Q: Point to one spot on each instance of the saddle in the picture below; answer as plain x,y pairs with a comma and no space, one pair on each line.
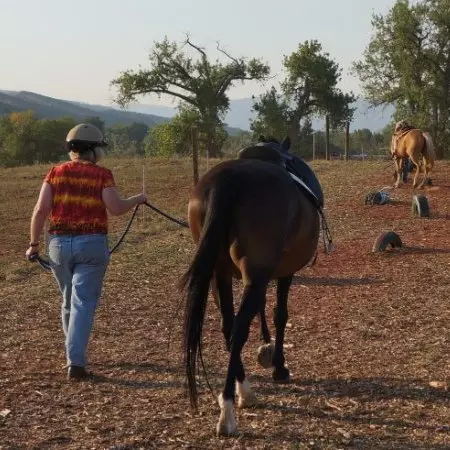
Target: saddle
299,170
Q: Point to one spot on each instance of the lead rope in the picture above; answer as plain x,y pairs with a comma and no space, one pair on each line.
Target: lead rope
326,234
46,265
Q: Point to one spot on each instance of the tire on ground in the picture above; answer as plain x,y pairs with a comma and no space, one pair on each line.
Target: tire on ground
385,240
420,206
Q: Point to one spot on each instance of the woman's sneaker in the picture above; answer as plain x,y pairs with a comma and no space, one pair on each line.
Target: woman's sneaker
78,373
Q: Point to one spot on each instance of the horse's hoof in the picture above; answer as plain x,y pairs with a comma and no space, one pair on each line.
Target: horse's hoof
281,376
265,355
225,430
248,401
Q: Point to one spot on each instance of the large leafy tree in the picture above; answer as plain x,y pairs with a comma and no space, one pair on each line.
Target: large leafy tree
175,137
271,115
309,88
194,80
407,63
18,140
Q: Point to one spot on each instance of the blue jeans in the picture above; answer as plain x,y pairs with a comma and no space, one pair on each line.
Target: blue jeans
79,264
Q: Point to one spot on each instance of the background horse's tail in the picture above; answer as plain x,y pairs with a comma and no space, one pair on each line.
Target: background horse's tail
429,155
197,279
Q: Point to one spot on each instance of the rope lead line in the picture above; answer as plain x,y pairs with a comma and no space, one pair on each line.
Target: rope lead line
46,264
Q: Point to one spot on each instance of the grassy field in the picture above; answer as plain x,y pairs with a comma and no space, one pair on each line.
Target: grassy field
367,341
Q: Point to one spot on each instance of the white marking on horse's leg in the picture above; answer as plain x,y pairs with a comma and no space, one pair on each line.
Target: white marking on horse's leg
246,397
227,422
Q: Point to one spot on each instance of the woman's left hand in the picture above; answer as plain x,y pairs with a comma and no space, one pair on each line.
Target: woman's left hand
31,251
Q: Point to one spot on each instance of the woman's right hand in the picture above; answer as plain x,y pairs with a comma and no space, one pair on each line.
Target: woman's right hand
141,199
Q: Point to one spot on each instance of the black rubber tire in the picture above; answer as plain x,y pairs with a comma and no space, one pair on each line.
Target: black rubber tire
420,206
385,240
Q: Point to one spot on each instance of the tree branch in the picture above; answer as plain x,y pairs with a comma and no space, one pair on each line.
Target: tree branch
132,94
227,54
196,47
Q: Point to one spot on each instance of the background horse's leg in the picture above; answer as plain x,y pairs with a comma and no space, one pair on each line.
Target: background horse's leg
252,299
264,333
224,293
280,372
265,351
406,169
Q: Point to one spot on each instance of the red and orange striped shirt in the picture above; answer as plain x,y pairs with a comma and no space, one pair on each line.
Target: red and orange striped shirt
78,207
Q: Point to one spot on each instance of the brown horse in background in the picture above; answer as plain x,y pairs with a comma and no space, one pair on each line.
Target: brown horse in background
419,148
251,221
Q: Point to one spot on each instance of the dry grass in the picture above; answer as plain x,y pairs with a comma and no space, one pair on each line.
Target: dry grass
367,343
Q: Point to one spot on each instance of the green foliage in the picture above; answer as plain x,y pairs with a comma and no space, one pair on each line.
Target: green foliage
272,115
233,144
126,139
310,88
198,83
24,139
51,138
175,137
18,138
407,64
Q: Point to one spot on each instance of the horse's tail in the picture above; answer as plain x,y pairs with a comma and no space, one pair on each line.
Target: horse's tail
197,279
429,155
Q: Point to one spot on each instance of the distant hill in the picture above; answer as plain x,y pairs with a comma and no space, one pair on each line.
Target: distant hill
52,108
237,119
241,113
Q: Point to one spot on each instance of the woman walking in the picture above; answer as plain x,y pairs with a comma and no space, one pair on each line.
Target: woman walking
75,196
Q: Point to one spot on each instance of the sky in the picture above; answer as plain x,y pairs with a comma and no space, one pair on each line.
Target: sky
72,49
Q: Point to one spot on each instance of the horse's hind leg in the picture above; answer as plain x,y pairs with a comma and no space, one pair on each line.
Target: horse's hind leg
398,170
252,300
427,167
280,372
416,162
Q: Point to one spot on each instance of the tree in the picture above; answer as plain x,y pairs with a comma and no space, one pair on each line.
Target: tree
233,144
18,138
272,115
407,63
51,138
310,88
196,82
175,137
126,139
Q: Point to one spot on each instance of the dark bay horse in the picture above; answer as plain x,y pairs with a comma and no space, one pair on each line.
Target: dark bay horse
251,221
419,148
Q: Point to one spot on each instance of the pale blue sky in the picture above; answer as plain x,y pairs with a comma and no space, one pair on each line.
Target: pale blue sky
72,49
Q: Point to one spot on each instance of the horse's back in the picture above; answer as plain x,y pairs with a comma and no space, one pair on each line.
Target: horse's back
271,221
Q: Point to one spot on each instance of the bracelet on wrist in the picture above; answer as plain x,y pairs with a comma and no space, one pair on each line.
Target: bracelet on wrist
34,244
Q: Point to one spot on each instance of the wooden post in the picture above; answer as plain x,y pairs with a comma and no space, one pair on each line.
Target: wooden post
195,152
327,137
314,145
347,140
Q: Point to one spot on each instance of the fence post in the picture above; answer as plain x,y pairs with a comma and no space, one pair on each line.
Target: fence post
195,152
314,145
327,137
347,140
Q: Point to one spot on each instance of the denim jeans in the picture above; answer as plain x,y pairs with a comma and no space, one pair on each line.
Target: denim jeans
79,264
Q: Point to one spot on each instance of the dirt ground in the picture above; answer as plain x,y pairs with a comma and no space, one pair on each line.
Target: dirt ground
367,342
